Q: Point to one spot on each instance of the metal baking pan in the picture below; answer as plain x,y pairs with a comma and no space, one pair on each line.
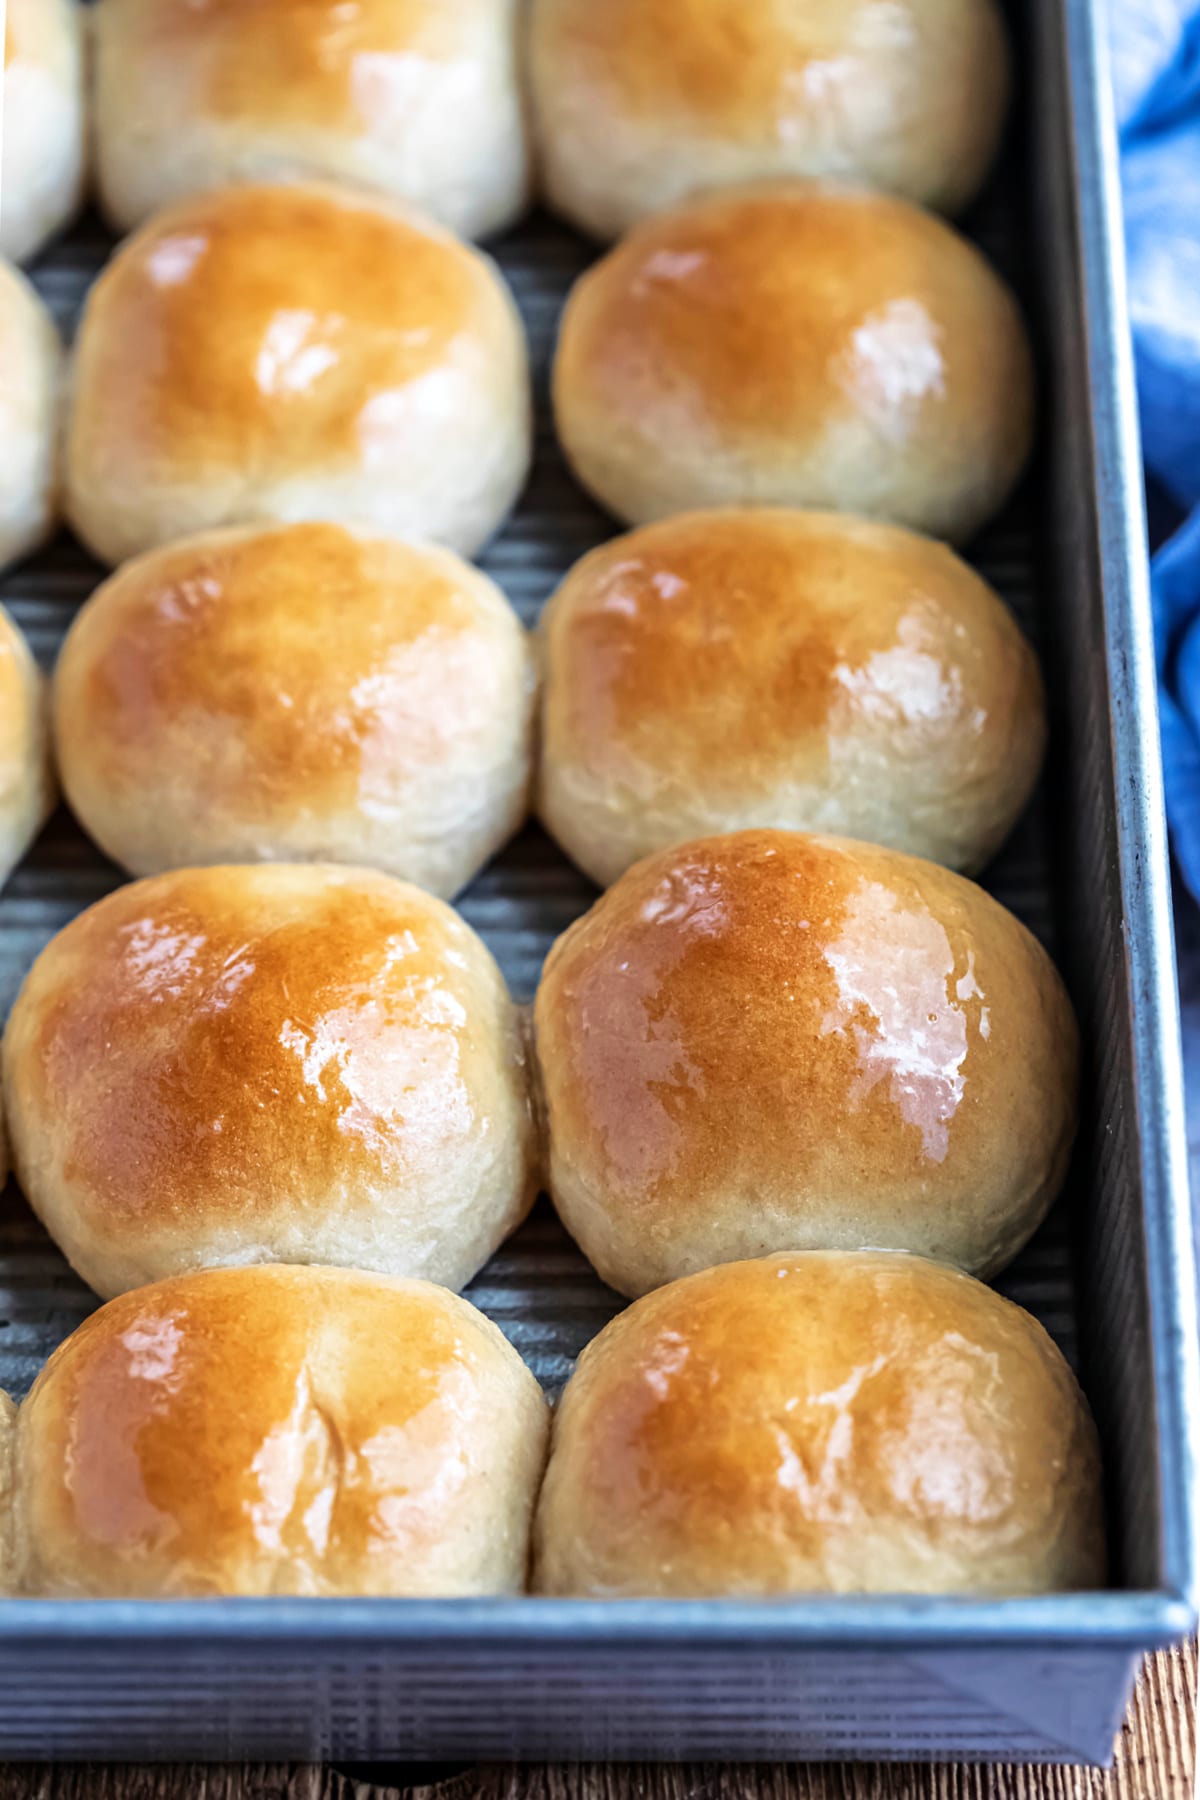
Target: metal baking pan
1111,1275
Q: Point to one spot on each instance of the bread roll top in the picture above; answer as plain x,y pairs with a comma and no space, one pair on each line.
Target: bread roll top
774,1040
752,666
865,1423
279,1431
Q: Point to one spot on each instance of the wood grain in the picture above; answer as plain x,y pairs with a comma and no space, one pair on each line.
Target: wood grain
1156,1761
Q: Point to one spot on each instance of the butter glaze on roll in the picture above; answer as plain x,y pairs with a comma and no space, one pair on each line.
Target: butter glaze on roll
26,781
793,344
835,1423
277,1431
269,1064
276,354
303,693
641,103
770,1041
42,151
419,99
761,667
31,365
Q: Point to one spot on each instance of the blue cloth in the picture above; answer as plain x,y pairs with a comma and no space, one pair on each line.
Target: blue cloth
1156,73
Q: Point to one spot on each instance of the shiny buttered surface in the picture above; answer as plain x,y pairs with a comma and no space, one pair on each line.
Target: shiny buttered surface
31,379
283,1063
26,781
795,344
866,1423
769,1041
42,143
762,667
282,353
276,1431
641,103
271,1093
420,99
303,693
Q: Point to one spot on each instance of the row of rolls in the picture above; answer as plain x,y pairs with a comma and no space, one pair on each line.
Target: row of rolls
795,1085
280,1111
284,338
322,692
467,107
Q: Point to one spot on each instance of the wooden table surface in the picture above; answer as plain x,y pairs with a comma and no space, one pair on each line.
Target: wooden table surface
1156,1761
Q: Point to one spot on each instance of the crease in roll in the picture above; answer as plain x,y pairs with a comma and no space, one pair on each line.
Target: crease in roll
821,1422
269,1431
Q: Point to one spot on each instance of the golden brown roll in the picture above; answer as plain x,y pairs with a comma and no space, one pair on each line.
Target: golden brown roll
641,103
298,693
279,1063
769,1041
26,781
42,149
419,99
274,354
31,362
761,667
278,1431
796,345
862,1423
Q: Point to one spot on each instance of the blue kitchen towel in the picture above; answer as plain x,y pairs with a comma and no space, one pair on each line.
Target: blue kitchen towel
1156,72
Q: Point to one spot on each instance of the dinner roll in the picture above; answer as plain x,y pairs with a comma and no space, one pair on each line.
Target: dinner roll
847,1423
31,359
796,345
279,1431
769,1041
293,352
760,667
42,148
280,1063
643,102
26,783
304,692
416,98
